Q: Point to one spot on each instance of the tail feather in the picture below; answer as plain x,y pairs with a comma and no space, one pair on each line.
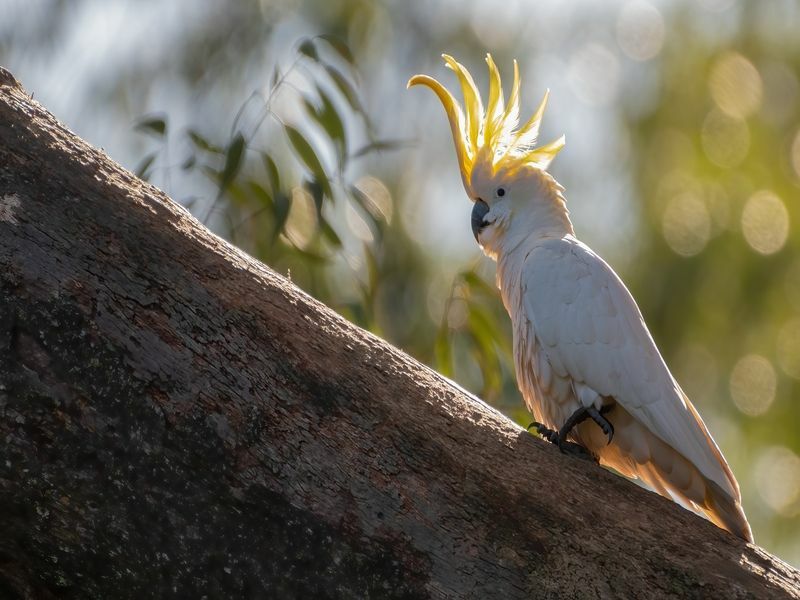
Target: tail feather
639,454
726,512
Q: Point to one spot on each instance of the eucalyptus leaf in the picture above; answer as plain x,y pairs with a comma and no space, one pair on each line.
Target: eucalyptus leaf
233,161
339,46
306,154
154,125
142,170
308,49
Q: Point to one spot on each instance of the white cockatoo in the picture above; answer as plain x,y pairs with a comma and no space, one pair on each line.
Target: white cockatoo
586,364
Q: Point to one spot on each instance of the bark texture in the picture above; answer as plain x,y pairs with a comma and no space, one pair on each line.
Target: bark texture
177,420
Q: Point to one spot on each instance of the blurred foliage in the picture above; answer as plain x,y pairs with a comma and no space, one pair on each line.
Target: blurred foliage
682,168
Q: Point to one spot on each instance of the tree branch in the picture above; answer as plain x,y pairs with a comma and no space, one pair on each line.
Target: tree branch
179,421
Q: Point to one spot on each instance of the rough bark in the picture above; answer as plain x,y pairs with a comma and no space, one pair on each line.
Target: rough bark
179,421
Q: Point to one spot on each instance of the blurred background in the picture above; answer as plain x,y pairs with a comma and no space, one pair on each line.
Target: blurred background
285,125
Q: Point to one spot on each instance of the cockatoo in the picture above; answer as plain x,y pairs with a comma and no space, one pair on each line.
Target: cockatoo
586,364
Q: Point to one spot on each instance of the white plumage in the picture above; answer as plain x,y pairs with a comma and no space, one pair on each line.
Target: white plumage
580,345
579,340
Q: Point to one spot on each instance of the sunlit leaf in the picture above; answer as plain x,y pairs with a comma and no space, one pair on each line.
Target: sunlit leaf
485,332
443,352
477,283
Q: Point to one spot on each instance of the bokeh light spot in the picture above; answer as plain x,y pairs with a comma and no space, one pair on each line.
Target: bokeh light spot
735,85
302,220
753,383
640,30
378,194
594,74
789,348
726,140
765,222
777,473
357,225
686,224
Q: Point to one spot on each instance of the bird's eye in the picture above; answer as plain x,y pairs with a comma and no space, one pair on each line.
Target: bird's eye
501,191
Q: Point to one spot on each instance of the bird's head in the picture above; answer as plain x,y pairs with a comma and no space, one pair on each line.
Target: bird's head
504,174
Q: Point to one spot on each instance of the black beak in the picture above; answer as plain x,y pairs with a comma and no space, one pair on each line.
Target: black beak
479,210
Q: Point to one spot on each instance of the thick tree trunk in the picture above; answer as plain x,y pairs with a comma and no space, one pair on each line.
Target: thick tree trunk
179,421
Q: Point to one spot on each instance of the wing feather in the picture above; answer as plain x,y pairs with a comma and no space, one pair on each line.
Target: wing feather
591,328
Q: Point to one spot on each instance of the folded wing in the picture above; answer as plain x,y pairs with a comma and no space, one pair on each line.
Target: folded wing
592,331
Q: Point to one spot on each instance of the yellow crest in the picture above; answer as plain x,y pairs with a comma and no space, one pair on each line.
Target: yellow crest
490,139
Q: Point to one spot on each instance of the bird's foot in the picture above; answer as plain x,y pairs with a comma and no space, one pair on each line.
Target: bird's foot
583,413
548,434
605,424
565,446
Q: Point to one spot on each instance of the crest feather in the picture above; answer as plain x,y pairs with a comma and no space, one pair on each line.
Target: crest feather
492,135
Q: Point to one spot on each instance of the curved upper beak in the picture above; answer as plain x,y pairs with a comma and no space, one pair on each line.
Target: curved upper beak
479,210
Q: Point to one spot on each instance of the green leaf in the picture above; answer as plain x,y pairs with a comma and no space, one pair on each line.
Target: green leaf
307,48
329,233
262,195
153,125
211,173
485,333
339,46
306,153
380,145
477,283
330,120
282,205
272,173
443,352
346,88
317,194
189,163
143,168
233,161
202,143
